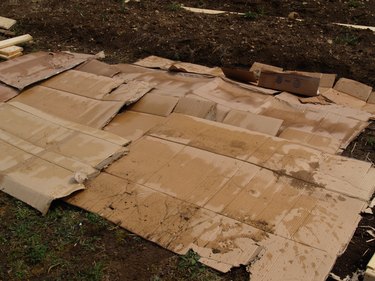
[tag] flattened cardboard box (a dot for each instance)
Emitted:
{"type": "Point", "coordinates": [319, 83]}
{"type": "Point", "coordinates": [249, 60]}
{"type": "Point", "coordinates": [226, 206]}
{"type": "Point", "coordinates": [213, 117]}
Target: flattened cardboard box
{"type": "Point", "coordinates": [41, 154]}
{"type": "Point", "coordinates": [290, 82]}
{"type": "Point", "coordinates": [35, 67]}
{"type": "Point", "coordinates": [184, 167]}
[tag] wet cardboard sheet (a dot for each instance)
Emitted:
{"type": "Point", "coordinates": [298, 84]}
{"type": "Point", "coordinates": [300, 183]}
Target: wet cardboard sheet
{"type": "Point", "coordinates": [7, 93]}
{"type": "Point", "coordinates": [41, 154]}
{"type": "Point", "coordinates": [82, 97]}
{"type": "Point", "coordinates": [244, 190]}
{"type": "Point", "coordinates": [35, 67]}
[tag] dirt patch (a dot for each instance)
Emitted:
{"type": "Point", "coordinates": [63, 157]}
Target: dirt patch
{"type": "Point", "coordinates": [350, 11]}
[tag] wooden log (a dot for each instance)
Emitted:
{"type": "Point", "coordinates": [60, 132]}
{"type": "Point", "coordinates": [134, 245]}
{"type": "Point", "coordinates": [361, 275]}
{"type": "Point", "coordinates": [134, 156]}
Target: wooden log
{"type": "Point", "coordinates": [6, 23]}
{"type": "Point", "coordinates": [15, 41]}
{"type": "Point", "coordinates": [8, 51]}
{"type": "Point", "coordinates": [5, 57]}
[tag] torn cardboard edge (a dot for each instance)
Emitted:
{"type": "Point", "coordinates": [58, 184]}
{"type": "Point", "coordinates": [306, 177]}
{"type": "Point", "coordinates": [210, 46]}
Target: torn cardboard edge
{"type": "Point", "coordinates": [113, 138]}
{"type": "Point", "coordinates": [38, 66]}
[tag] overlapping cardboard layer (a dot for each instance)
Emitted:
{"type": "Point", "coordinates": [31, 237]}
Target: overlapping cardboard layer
{"type": "Point", "coordinates": [282, 156]}
{"type": "Point", "coordinates": [7, 93]}
{"type": "Point", "coordinates": [32, 68]}
{"type": "Point", "coordinates": [257, 205]}
{"type": "Point", "coordinates": [40, 154]}
{"type": "Point", "coordinates": [230, 190]}
{"type": "Point", "coordinates": [83, 97]}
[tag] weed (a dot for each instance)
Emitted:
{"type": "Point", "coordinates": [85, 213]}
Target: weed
{"type": "Point", "coordinates": [347, 39]}
{"type": "Point", "coordinates": [354, 3]}
{"type": "Point", "coordinates": [251, 15]}
{"type": "Point", "coordinates": [190, 263]}
{"type": "Point", "coordinates": [94, 273]}
{"type": "Point", "coordinates": [96, 219]}
{"type": "Point", "coordinates": [174, 6]}
{"type": "Point", "coordinates": [370, 141]}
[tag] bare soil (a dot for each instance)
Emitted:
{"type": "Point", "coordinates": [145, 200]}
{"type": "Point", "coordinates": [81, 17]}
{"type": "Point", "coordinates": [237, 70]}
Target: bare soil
{"type": "Point", "coordinates": [128, 32]}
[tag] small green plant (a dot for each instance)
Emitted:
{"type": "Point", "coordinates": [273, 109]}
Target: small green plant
{"type": "Point", "coordinates": [174, 6]}
{"type": "Point", "coordinates": [190, 263]}
{"type": "Point", "coordinates": [250, 15]}
{"type": "Point", "coordinates": [371, 141]}
{"type": "Point", "coordinates": [354, 3]}
{"type": "Point", "coordinates": [347, 39]}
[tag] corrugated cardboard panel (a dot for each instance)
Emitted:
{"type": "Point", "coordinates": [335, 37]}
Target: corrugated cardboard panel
{"type": "Point", "coordinates": [353, 88]}
{"type": "Point", "coordinates": [40, 156]}
{"type": "Point", "coordinates": [253, 122]}
{"type": "Point", "coordinates": [258, 67]}
{"type": "Point", "coordinates": [318, 121]}
{"type": "Point", "coordinates": [130, 92]}
{"type": "Point", "coordinates": [172, 84]}
{"type": "Point", "coordinates": [195, 68]}
{"type": "Point", "coordinates": [133, 125]}
{"type": "Point", "coordinates": [321, 104]}
{"type": "Point", "coordinates": [281, 156]}
{"type": "Point", "coordinates": [98, 68]}
{"type": "Point", "coordinates": [343, 99]}
{"type": "Point", "coordinates": [287, 260]}
{"type": "Point", "coordinates": [371, 98]}
{"type": "Point", "coordinates": [290, 82]}
{"type": "Point", "coordinates": [83, 84]}
{"type": "Point", "coordinates": [156, 104]}
{"type": "Point", "coordinates": [232, 95]}
{"type": "Point", "coordinates": [244, 199]}
{"type": "Point", "coordinates": [7, 93]}
{"type": "Point", "coordinates": [75, 108]}
{"type": "Point", "coordinates": [35, 67]}
{"type": "Point", "coordinates": [50, 134]}
{"type": "Point", "coordinates": [155, 62]}
{"type": "Point", "coordinates": [170, 222]}
{"type": "Point", "coordinates": [325, 144]}
{"type": "Point", "coordinates": [195, 106]}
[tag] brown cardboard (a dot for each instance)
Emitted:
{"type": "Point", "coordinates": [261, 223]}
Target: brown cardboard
{"type": "Point", "coordinates": [343, 99]}
{"type": "Point", "coordinates": [371, 98]}
{"type": "Point", "coordinates": [195, 106]}
{"type": "Point", "coordinates": [156, 104]}
{"type": "Point", "coordinates": [279, 155]}
{"type": "Point", "coordinates": [155, 62]}
{"type": "Point", "coordinates": [232, 96]}
{"type": "Point", "coordinates": [75, 108]}
{"type": "Point", "coordinates": [83, 84]}
{"type": "Point", "coordinates": [325, 144]}
{"type": "Point", "coordinates": [133, 125]}
{"type": "Point", "coordinates": [241, 75]}
{"type": "Point", "coordinates": [7, 93]}
{"type": "Point", "coordinates": [184, 168]}
{"type": "Point", "coordinates": [253, 122]}
{"type": "Point", "coordinates": [353, 88]}
{"type": "Point", "coordinates": [98, 68]}
{"type": "Point", "coordinates": [327, 80]}
{"type": "Point", "coordinates": [40, 154]}
{"type": "Point", "coordinates": [290, 82]}
{"type": "Point", "coordinates": [170, 222]}
{"type": "Point", "coordinates": [35, 67]}
{"type": "Point", "coordinates": [314, 104]}
{"type": "Point", "coordinates": [258, 67]}
{"type": "Point", "coordinates": [195, 68]}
